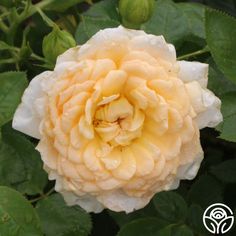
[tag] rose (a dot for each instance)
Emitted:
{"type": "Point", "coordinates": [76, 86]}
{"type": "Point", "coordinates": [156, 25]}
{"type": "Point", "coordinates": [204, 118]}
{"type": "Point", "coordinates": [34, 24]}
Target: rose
{"type": "Point", "coordinates": [118, 119]}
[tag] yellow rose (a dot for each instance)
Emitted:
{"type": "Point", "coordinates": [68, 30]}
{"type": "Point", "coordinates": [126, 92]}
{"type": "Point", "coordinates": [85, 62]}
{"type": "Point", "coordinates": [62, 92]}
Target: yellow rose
{"type": "Point", "coordinates": [118, 119]}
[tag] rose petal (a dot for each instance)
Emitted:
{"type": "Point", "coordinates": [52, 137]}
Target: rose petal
{"type": "Point", "coordinates": [205, 104]}
{"type": "Point", "coordinates": [193, 71]}
{"type": "Point", "coordinates": [119, 201]}
{"type": "Point", "coordinates": [26, 119]}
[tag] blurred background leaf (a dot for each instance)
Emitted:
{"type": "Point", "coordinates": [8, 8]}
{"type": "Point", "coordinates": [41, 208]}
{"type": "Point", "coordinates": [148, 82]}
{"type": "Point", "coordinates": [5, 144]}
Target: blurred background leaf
{"type": "Point", "coordinates": [59, 219]}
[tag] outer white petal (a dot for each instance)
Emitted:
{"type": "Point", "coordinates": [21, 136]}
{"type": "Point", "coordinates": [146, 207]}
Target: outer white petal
{"type": "Point", "coordinates": [87, 202]}
{"type": "Point", "coordinates": [69, 55]}
{"type": "Point", "coordinates": [27, 117]}
{"type": "Point", "coordinates": [138, 40]}
{"type": "Point", "coordinates": [114, 35]}
{"type": "Point", "coordinates": [155, 45]}
{"type": "Point", "coordinates": [189, 170]}
{"type": "Point", "coordinates": [119, 201]}
{"type": "Point", "coordinates": [67, 61]}
{"type": "Point", "coordinates": [212, 116]}
{"type": "Point", "coordinates": [193, 71]}
{"type": "Point", "coordinates": [205, 104]}
{"type": "Point", "coordinates": [106, 37]}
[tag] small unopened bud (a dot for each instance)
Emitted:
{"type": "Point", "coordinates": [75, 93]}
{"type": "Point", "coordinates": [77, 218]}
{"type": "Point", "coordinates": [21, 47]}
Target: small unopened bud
{"type": "Point", "coordinates": [135, 12]}
{"type": "Point", "coordinates": [55, 43]}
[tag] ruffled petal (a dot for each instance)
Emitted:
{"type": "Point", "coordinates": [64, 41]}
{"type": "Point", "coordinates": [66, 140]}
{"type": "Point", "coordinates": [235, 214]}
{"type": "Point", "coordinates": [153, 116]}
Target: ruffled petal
{"type": "Point", "coordinates": [205, 104]}
{"type": "Point", "coordinates": [26, 118]}
{"type": "Point", "coordinates": [193, 71]}
{"type": "Point", "coordinates": [120, 201]}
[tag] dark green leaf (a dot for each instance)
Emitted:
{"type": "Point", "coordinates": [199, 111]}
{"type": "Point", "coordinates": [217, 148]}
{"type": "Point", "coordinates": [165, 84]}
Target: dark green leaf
{"type": "Point", "coordinates": [12, 85]}
{"type": "Point", "coordinates": [62, 5]}
{"type": "Point", "coordinates": [177, 22]}
{"type": "Point", "coordinates": [12, 171]}
{"type": "Point", "coordinates": [195, 19]}
{"type": "Point", "coordinates": [61, 220]}
{"type": "Point", "coordinates": [205, 191]}
{"type": "Point", "coordinates": [228, 127]}
{"type": "Point", "coordinates": [23, 152]}
{"type": "Point", "coordinates": [17, 216]}
{"type": "Point", "coordinates": [105, 9]}
{"type": "Point", "coordinates": [167, 20]}
{"type": "Point", "coordinates": [217, 81]}
{"type": "Point", "coordinates": [194, 219]}
{"type": "Point", "coordinates": [170, 206]}
{"type": "Point", "coordinates": [100, 16]}
{"type": "Point", "coordinates": [90, 26]}
{"type": "Point", "coordinates": [220, 35]}
{"type": "Point", "coordinates": [226, 171]}
{"type": "Point", "coordinates": [147, 226]}
{"type": "Point", "coordinates": [182, 230]}
{"type": "Point", "coordinates": [122, 218]}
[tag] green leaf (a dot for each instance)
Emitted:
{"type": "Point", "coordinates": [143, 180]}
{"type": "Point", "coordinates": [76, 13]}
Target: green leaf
{"type": "Point", "coordinates": [12, 86]}
{"type": "Point", "coordinates": [205, 191]}
{"type": "Point", "coordinates": [195, 19]}
{"type": "Point", "coordinates": [17, 216]}
{"type": "Point", "coordinates": [100, 16]}
{"type": "Point", "coordinates": [221, 41]}
{"type": "Point", "coordinates": [12, 171]}
{"type": "Point", "coordinates": [22, 151]}
{"type": "Point", "coordinates": [217, 81]}
{"type": "Point", "coordinates": [90, 26]}
{"type": "Point", "coordinates": [170, 206]}
{"type": "Point", "coordinates": [162, 23]}
{"type": "Point", "coordinates": [61, 220]}
{"type": "Point", "coordinates": [62, 5]}
{"type": "Point", "coordinates": [228, 127]}
{"type": "Point", "coordinates": [106, 9]}
{"type": "Point", "coordinates": [122, 218]}
{"type": "Point", "coordinates": [194, 219]}
{"type": "Point", "coordinates": [177, 22]}
{"type": "Point", "coordinates": [182, 230]}
{"type": "Point", "coordinates": [226, 171]}
{"type": "Point", "coordinates": [147, 226]}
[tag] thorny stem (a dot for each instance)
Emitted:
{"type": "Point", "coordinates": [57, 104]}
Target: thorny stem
{"type": "Point", "coordinates": [29, 11]}
{"type": "Point", "coordinates": [37, 57]}
{"type": "Point", "coordinates": [3, 26]}
{"type": "Point", "coordinates": [196, 53]}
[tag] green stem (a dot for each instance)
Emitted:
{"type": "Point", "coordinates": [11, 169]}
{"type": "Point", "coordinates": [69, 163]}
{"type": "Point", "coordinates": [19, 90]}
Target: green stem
{"type": "Point", "coordinates": [49, 22]}
{"type": "Point", "coordinates": [7, 61]}
{"type": "Point", "coordinates": [37, 57]}
{"type": "Point", "coordinates": [3, 26]}
{"type": "Point", "coordinates": [29, 11]}
{"type": "Point", "coordinates": [42, 196]}
{"type": "Point", "coordinates": [196, 53]}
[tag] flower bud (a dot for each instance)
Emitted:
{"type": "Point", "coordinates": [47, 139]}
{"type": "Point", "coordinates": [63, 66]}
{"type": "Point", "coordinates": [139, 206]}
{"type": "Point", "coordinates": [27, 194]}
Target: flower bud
{"type": "Point", "coordinates": [134, 13]}
{"type": "Point", "coordinates": [55, 43]}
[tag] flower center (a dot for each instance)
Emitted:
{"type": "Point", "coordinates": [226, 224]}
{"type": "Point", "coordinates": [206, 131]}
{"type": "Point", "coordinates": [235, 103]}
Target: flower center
{"type": "Point", "coordinates": [118, 122]}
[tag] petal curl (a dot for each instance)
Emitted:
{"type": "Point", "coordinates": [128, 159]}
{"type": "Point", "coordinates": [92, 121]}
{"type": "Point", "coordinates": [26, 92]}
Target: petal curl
{"type": "Point", "coordinates": [205, 104]}
{"type": "Point", "coordinates": [193, 71]}
{"type": "Point", "coordinates": [27, 118]}
{"type": "Point", "coordinates": [120, 201]}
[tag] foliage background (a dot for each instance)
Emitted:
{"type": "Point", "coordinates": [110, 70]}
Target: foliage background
{"type": "Point", "coordinates": [28, 204]}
